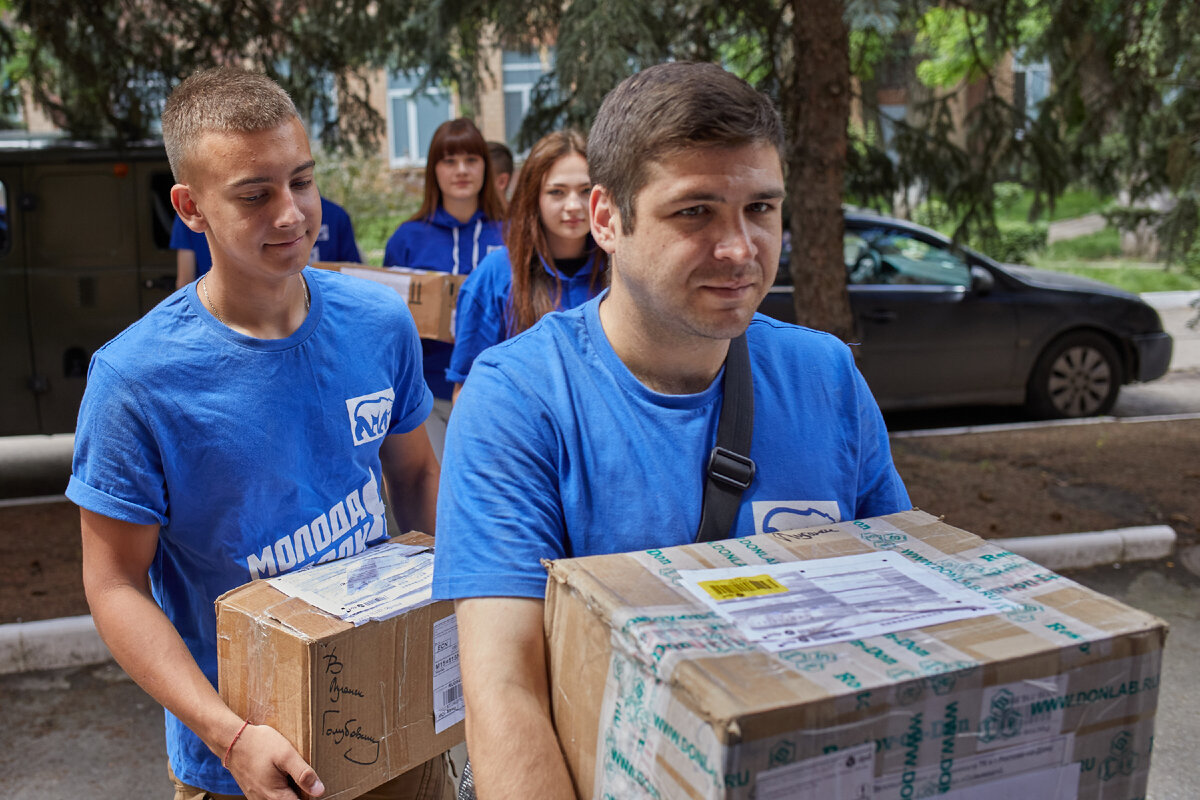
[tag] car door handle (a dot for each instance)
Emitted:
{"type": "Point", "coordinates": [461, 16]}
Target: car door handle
{"type": "Point", "coordinates": [879, 315]}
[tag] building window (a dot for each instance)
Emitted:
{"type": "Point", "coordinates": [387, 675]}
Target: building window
{"type": "Point", "coordinates": [522, 70]}
{"type": "Point", "coordinates": [1031, 85]}
{"type": "Point", "coordinates": [412, 118]}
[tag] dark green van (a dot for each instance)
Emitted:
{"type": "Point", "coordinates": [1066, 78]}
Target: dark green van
{"type": "Point", "coordinates": [84, 234]}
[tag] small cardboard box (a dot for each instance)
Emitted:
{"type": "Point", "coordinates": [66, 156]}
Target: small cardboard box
{"type": "Point", "coordinates": [1048, 694]}
{"type": "Point", "coordinates": [357, 702]}
{"type": "Point", "coordinates": [431, 295]}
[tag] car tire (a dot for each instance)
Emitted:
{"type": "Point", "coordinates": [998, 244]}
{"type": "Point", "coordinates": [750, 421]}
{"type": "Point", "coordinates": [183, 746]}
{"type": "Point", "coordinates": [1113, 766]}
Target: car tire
{"type": "Point", "coordinates": [1077, 375]}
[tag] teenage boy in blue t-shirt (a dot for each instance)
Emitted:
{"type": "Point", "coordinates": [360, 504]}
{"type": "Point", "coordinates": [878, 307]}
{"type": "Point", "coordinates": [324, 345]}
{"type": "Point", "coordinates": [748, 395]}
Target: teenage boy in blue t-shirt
{"type": "Point", "coordinates": [244, 427]}
{"type": "Point", "coordinates": [588, 433]}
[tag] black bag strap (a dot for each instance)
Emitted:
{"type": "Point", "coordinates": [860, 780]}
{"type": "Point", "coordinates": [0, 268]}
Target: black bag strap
{"type": "Point", "coordinates": [730, 469]}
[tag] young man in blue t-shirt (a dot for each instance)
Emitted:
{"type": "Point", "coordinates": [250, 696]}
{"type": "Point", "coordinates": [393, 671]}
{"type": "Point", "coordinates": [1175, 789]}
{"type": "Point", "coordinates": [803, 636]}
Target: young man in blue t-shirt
{"type": "Point", "coordinates": [589, 432]}
{"type": "Point", "coordinates": [246, 426]}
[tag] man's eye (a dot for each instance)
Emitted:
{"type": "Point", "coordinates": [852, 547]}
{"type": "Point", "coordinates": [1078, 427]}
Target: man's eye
{"type": "Point", "coordinates": [691, 211]}
{"type": "Point", "coordinates": [302, 184]}
{"type": "Point", "coordinates": [253, 198]}
{"type": "Point", "coordinates": [760, 208]}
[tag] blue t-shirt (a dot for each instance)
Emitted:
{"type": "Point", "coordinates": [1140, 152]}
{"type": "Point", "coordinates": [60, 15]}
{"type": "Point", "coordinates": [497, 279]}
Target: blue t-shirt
{"type": "Point", "coordinates": [445, 244]}
{"type": "Point", "coordinates": [484, 315]}
{"type": "Point", "coordinates": [254, 456]}
{"type": "Point", "coordinates": [556, 450]}
{"type": "Point", "coordinates": [184, 238]}
{"type": "Point", "coordinates": [335, 239]}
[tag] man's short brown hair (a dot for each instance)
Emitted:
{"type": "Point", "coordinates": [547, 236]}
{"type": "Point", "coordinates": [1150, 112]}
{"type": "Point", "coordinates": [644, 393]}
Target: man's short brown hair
{"type": "Point", "coordinates": [224, 99]}
{"type": "Point", "coordinates": [666, 109]}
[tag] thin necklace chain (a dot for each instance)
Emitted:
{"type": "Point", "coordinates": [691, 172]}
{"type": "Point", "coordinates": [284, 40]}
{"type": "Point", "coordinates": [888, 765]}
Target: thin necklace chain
{"type": "Point", "coordinates": [208, 298]}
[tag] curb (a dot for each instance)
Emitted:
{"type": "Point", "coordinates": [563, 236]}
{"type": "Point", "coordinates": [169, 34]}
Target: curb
{"type": "Point", "coordinates": [1162, 301]}
{"type": "Point", "coordinates": [1034, 425]}
{"type": "Point", "coordinates": [1082, 550]}
{"type": "Point", "coordinates": [50, 644]}
{"type": "Point", "coordinates": [73, 641]}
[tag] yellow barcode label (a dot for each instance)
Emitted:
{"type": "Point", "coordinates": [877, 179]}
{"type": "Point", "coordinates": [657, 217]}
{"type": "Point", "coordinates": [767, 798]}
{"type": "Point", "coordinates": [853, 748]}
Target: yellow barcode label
{"type": "Point", "coordinates": [733, 588]}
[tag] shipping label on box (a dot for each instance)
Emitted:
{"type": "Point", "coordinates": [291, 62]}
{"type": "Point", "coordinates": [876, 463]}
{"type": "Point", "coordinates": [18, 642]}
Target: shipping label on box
{"type": "Point", "coordinates": [916, 660]}
{"type": "Point", "coordinates": [431, 295]}
{"type": "Point", "coordinates": [350, 661]}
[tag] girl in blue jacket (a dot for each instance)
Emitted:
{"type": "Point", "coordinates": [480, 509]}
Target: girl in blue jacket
{"type": "Point", "coordinates": [459, 221]}
{"type": "Point", "coordinates": [457, 225]}
{"type": "Point", "coordinates": [549, 261]}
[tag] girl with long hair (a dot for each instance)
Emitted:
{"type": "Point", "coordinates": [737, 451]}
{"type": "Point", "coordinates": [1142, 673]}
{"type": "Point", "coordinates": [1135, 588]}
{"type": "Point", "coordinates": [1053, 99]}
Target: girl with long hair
{"type": "Point", "coordinates": [457, 225]}
{"type": "Point", "coordinates": [549, 261]}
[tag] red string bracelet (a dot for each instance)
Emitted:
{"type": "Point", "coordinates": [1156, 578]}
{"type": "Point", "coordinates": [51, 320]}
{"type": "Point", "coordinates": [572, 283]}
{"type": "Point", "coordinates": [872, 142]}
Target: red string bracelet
{"type": "Point", "coordinates": [228, 750]}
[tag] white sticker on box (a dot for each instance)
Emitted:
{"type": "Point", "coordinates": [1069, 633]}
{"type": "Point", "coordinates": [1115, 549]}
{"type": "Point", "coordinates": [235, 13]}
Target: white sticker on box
{"type": "Point", "coordinates": [448, 705]}
{"type": "Point", "coordinates": [845, 775]}
{"type": "Point", "coordinates": [376, 584]}
{"type": "Point", "coordinates": [801, 603]}
{"type": "Point", "coordinates": [955, 776]}
{"type": "Point", "coordinates": [1013, 713]}
{"type": "Point", "coordinates": [1056, 783]}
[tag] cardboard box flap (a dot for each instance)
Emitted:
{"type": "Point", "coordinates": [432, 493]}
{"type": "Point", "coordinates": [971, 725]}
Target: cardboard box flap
{"type": "Point", "coordinates": [272, 608]}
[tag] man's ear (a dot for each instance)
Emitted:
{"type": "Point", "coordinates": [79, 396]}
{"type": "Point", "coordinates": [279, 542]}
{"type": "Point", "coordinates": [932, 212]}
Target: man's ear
{"type": "Point", "coordinates": [185, 206]}
{"type": "Point", "coordinates": [606, 219]}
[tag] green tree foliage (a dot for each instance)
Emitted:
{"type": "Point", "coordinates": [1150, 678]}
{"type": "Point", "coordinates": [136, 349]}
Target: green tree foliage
{"type": "Point", "coordinates": [1123, 111]}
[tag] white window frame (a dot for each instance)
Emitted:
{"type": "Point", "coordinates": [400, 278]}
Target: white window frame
{"type": "Point", "coordinates": [410, 98]}
{"type": "Point", "coordinates": [524, 87]}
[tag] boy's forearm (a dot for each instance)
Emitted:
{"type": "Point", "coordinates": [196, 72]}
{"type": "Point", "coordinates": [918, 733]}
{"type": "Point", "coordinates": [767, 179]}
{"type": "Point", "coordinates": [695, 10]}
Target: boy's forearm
{"type": "Point", "coordinates": [410, 473]}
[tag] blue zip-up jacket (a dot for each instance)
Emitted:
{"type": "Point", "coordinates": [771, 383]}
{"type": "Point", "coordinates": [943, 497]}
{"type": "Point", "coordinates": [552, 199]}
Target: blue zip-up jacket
{"type": "Point", "coordinates": [485, 314]}
{"type": "Point", "coordinates": [445, 244]}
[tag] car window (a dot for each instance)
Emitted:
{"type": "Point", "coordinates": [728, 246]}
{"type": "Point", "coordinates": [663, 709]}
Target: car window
{"type": "Point", "coordinates": [890, 257]}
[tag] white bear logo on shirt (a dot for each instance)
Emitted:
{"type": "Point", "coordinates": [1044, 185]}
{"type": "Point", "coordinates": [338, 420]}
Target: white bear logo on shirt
{"type": "Point", "coordinates": [370, 415]}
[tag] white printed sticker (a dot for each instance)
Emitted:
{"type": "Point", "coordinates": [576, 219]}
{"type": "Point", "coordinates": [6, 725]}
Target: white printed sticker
{"type": "Point", "coordinates": [981, 774]}
{"type": "Point", "coordinates": [802, 603]}
{"type": "Point", "coordinates": [845, 775]}
{"type": "Point", "coordinates": [448, 705]}
{"type": "Point", "coordinates": [1056, 783]}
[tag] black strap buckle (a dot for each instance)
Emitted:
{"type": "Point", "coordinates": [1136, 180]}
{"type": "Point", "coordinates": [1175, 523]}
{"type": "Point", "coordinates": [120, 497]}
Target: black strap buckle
{"type": "Point", "coordinates": [731, 468]}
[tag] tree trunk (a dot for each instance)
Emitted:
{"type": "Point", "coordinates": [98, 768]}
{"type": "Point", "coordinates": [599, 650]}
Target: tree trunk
{"type": "Point", "coordinates": [816, 112]}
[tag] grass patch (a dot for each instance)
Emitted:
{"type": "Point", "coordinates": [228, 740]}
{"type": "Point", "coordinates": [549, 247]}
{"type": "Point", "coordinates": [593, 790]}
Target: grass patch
{"type": "Point", "coordinates": [373, 232]}
{"type": "Point", "coordinates": [1073, 203]}
{"type": "Point", "coordinates": [1132, 276]}
{"type": "Point", "coordinates": [1103, 244]}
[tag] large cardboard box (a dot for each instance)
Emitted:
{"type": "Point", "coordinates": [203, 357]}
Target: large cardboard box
{"type": "Point", "coordinates": [362, 703]}
{"type": "Point", "coordinates": [432, 296]}
{"type": "Point", "coordinates": [1047, 693]}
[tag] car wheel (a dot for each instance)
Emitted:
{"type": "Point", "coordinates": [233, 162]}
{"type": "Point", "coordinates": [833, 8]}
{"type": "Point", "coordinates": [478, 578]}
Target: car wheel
{"type": "Point", "coordinates": [1078, 375]}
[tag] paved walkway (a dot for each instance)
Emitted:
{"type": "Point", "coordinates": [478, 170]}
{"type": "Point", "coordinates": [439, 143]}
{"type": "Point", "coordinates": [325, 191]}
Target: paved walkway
{"type": "Point", "coordinates": [1074, 228]}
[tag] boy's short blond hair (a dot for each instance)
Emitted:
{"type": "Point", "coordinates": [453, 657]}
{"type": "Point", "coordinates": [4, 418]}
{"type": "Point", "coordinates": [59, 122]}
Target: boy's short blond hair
{"type": "Point", "coordinates": [224, 99]}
